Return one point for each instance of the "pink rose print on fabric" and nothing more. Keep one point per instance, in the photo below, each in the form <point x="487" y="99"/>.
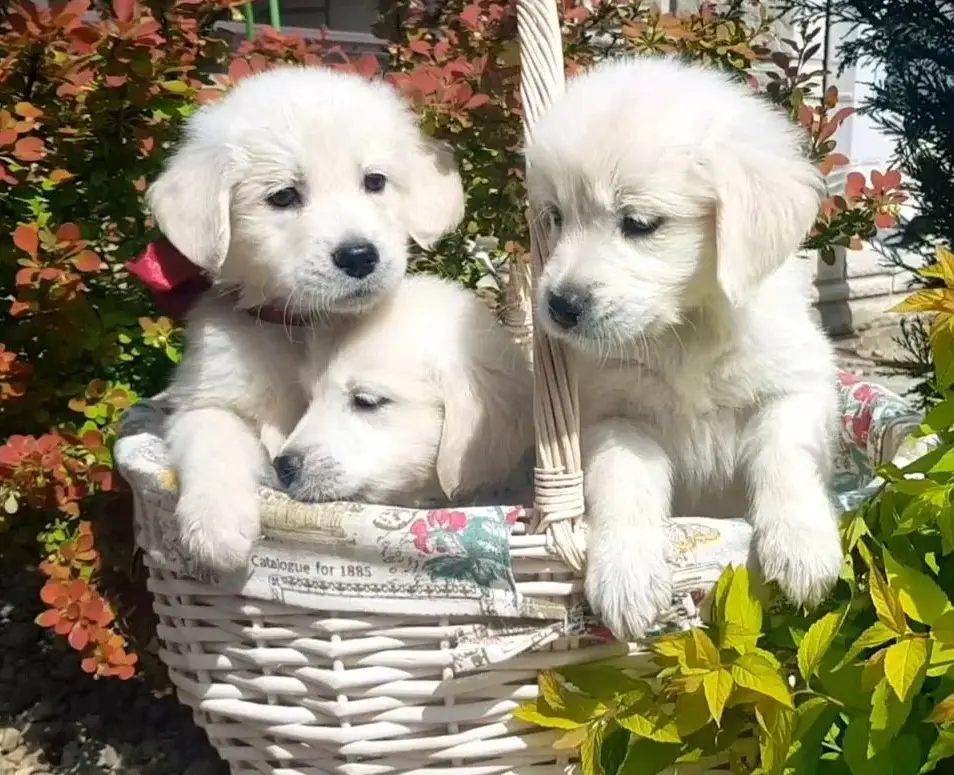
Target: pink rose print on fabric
<point x="846" y="378"/>
<point x="514" y="514"/>
<point x="436" y="531"/>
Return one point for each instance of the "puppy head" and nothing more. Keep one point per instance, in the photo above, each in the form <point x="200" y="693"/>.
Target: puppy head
<point x="302" y="185"/>
<point x="668" y="187"/>
<point x="424" y="400"/>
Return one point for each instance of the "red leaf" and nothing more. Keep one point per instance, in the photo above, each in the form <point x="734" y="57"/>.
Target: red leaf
<point x="68" y="232"/>
<point x="476" y="101"/>
<point x="884" y="220"/>
<point x="27" y="110"/>
<point x="470" y="15"/>
<point x="62" y="626"/>
<point x="367" y="65"/>
<point x="854" y="185"/>
<point x="26" y="238"/>
<point x="29" y="149"/>
<point x="420" y="47"/>
<point x="51" y="591"/>
<point x="124" y="9"/>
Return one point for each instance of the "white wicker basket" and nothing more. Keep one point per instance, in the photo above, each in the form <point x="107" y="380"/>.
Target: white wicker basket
<point x="370" y="640"/>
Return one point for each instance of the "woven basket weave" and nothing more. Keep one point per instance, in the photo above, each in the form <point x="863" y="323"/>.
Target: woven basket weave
<point x="369" y="640"/>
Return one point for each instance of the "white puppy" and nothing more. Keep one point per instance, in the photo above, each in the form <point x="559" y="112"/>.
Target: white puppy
<point x="296" y="195"/>
<point x="424" y="400"/>
<point x="677" y="199"/>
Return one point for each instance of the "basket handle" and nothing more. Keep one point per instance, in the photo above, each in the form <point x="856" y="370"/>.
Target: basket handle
<point x="558" y="478"/>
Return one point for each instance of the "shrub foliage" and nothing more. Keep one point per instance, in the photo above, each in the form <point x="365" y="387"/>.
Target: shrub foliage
<point x="92" y="95"/>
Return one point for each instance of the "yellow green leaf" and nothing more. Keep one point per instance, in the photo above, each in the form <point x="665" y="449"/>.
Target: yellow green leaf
<point x="921" y="598"/>
<point x="926" y="300"/>
<point x="717" y="686"/>
<point x="176" y="87"/>
<point x="943" y="712"/>
<point x="529" y="712"/>
<point x="551" y="691"/>
<point x="571" y="740"/>
<point x="590" y="751"/>
<point x="738" y="611"/>
<point x="758" y="674"/>
<point x="701" y="653"/>
<point x="817" y="641"/>
<point x="903" y="663"/>
<point x="671" y="645"/>
<point x="886" y="602"/>
<point x="774" y="734"/>
<point x="872" y="670"/>
<point x="603" y="682"/>
<point x="653" y="725"/>
<point x="875" y="635"/>
<point x="888" y="715"/>
<point x="943" y="748"/>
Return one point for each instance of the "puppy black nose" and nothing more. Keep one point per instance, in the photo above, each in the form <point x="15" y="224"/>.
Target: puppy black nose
<point x="566" y="306"/>
<point x="288" y="468"/>
<point x="356" y="259"/>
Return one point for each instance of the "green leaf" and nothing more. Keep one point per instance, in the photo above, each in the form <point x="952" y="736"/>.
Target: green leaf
<point x="648" y="757"/>
<point x="875" y="635"/>
<point x="886" y="602"/>
<point x="943" y="629"/>
<point x="903" y="663"/>
<point x="940" y="418"/>
<point x="888" y="715"/>
<point x="921" y="598"/>
<point x="758" y="674"/>
<point x="943" y="748"/>
<point x="817" y="640"/>
<point x="717" y="686"/>
<point x="855" y="750"/>
<point x="813" y="721"/>
<point x="692" y="713"/>
<point x="614" y="749"/>
<point x="775" y="735"/>
<point x="603" y="681"/>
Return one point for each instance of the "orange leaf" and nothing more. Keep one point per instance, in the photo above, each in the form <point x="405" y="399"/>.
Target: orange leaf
<point x="51" y="591"/>
<point x="59" y="175"/>
<point x="26" y="238"/>
<point x="48" y="618"/>
<point x="29" y="149"/>
<point x="87" y="261"/>
<point x="68" y="232"/>
<point x="89" y="665"/>
<point x="26" y="110"/>
<point x="79" y="637"/>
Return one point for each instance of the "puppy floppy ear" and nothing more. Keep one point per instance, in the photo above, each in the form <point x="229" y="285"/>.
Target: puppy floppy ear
<point x="487" y="426"/>
<point x="766" y="202"/>
<point x="435" y="197"/>
<point x="190" y="202"/>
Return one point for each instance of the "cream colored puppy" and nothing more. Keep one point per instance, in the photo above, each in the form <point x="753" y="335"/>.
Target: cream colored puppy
<point x="677" y="199"/>
<point x="423" y="400"/>
<point x="296" y="195"/>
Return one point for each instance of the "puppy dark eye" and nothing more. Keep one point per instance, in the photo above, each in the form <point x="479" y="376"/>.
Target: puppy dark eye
<point x="633" y="226"/>
<point x="556" y="217"/>
<point x="374" y="182"/>
<point x="285" y="198"/>
<point x="367" y="402"/>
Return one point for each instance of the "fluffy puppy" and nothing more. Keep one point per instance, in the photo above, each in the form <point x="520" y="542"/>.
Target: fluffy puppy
<point x="296" y="195"/>
<point x="677" y="199"/>
<point x="424" y="400"/>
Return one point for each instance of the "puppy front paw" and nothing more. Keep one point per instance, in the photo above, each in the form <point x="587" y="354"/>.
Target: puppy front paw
<point x="217" y="528"/>
<point x="803" y="556"/>
<point x="628" y="586"/>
